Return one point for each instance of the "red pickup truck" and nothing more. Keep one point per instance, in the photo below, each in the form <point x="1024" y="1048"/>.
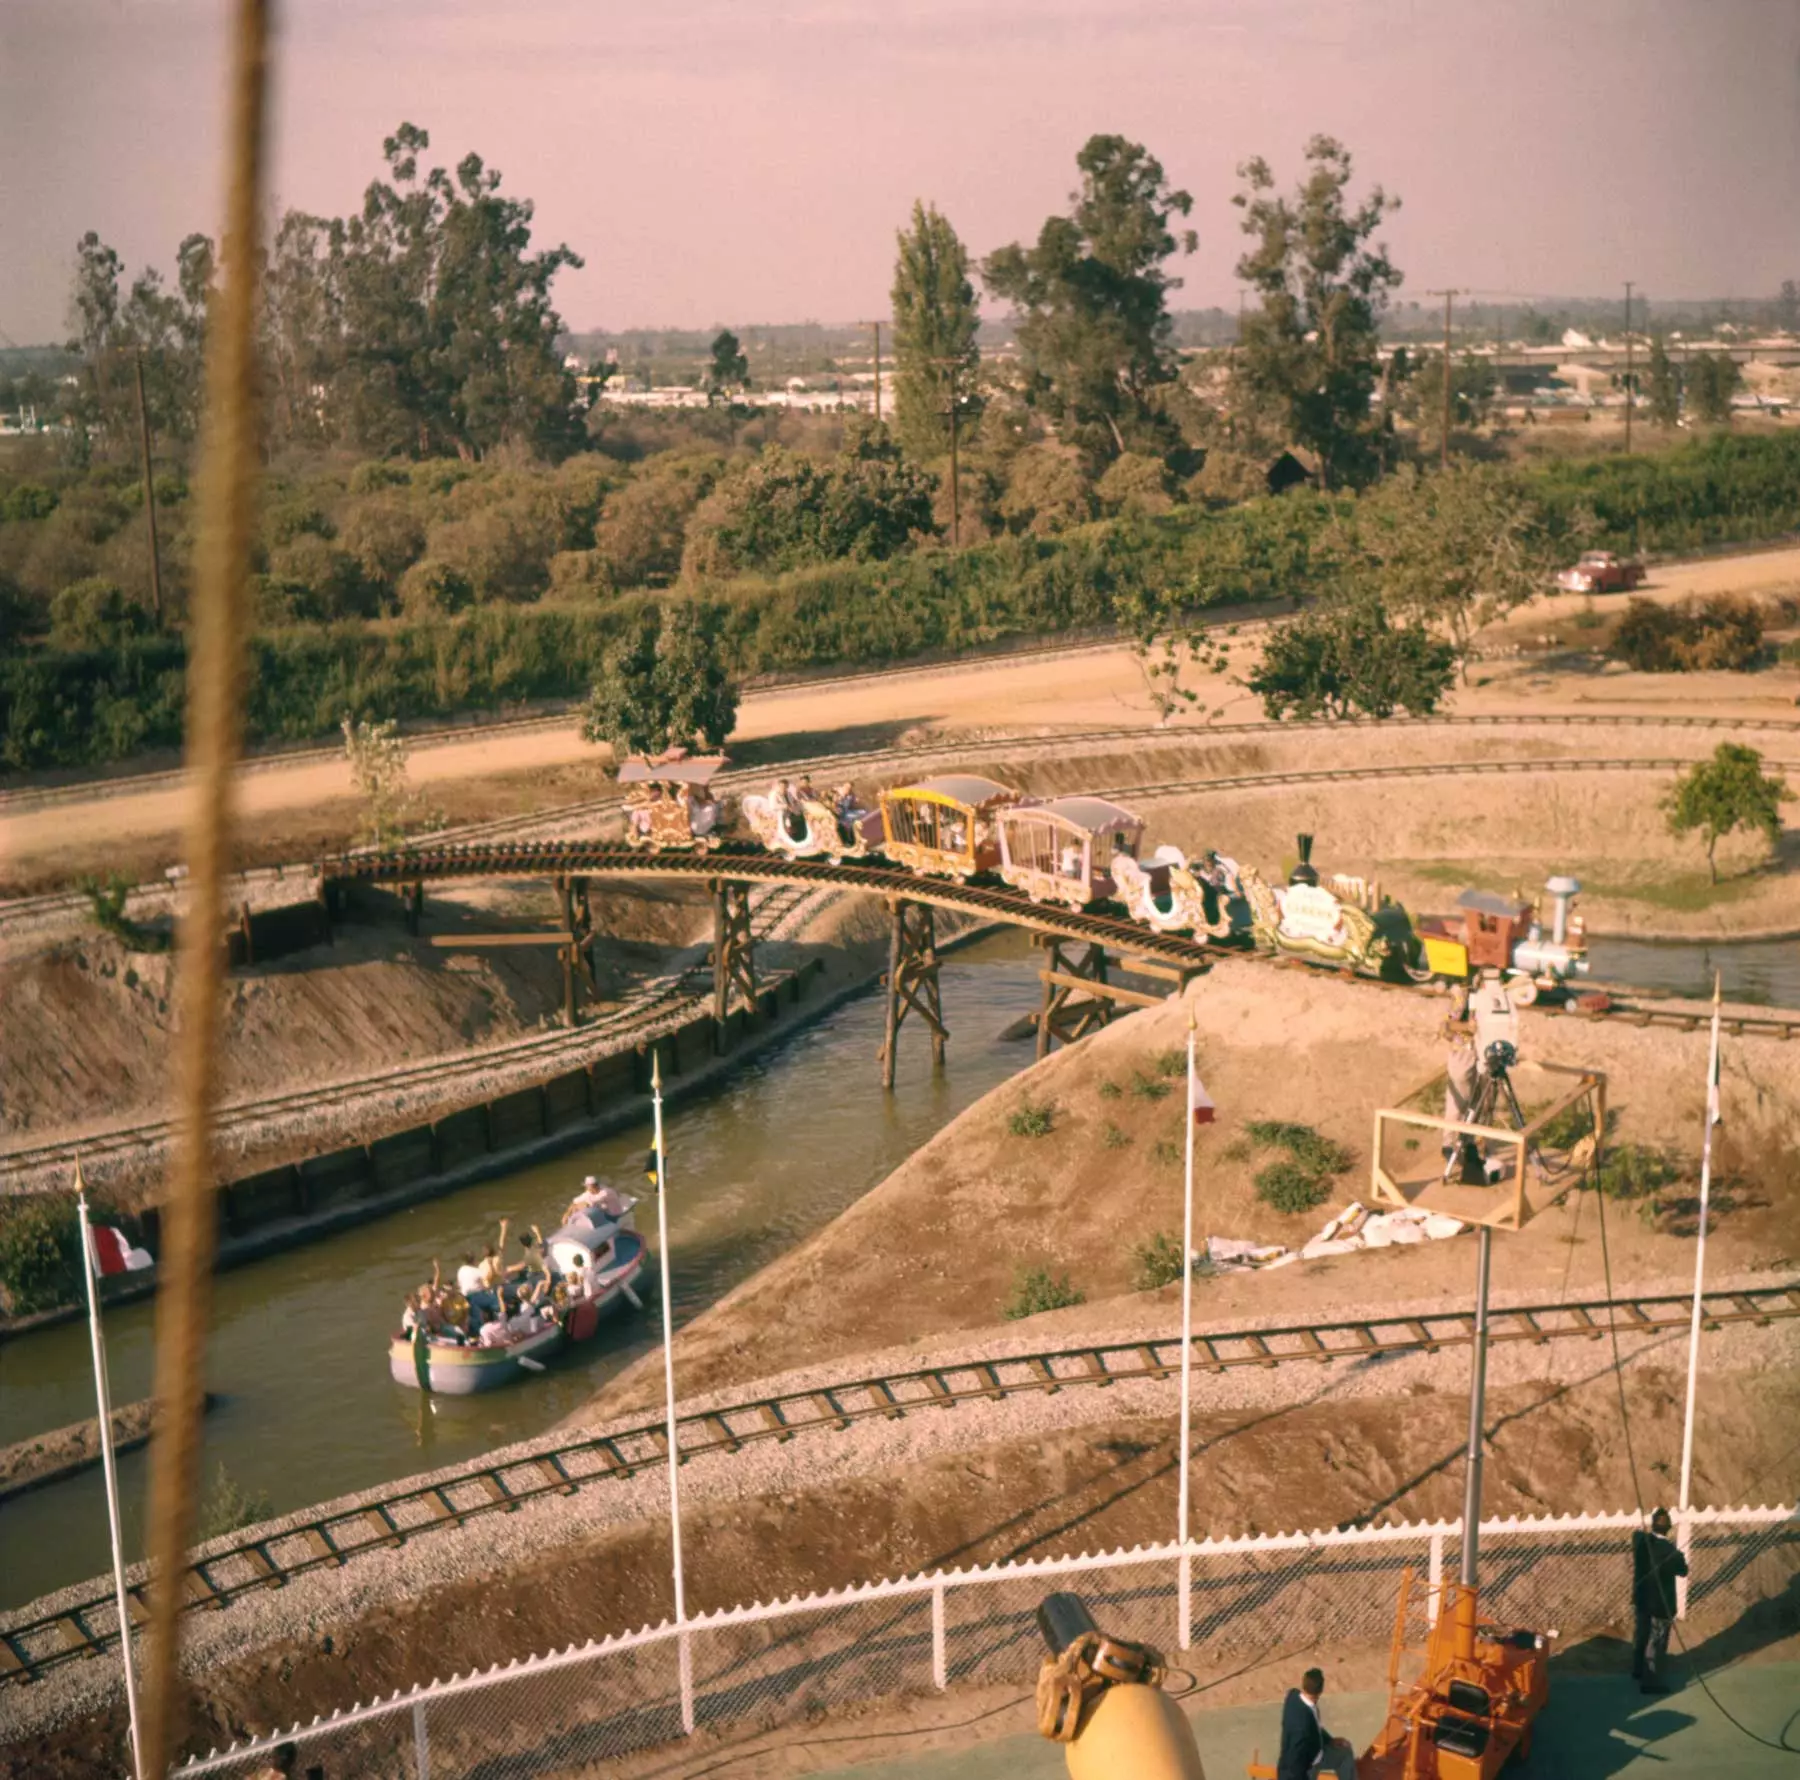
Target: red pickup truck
<point x="1599" y="571"/>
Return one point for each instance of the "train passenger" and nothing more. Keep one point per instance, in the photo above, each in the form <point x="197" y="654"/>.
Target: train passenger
<point x="1070" y="864"/>
<point x="703" y="814"/>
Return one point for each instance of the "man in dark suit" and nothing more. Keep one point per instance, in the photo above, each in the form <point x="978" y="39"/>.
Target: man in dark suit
<point x="1307" y="1748"/>
<point x="1656" y="1561"/>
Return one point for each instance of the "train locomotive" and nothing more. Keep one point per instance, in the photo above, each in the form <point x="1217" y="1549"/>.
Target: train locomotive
<point x="1087" y="852"/>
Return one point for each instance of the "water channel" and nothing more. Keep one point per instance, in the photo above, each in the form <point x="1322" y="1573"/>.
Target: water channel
<point x="306" y="1409"/>
<point x="298" y="1356"/>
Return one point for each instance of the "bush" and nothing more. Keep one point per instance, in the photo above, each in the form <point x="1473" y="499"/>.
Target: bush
<point x="228" y="1507"/>
<point x="27" y="502"/>
<point x="1032" y="1120"/>
<point x="1035" y="1290"/>
<point x="1113" y="1137"/>
<point x="1691" y="636"/>
<point x="1110" y="1091"/>
<point x="94" y="614"/>
<point x="1289" y="1185"/>
<point x="1149" y="1087"/>
<point x="1172" y="1062"/>
<point x="40" y="1253"/>
<point x="1155" y="1263"/>
<point x="1635" y="1171"/>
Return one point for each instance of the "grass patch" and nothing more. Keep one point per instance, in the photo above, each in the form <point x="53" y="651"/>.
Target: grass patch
<point x="1654" y="887"/>
<point x="1149" y="1087"/>
<point x="1636" y="1171"/>
<point x="1110" y="1091"/>
<point x="1113" y="1137"/>
<point x="1033" y="1120"/>
<point x="1155" y="1262"/>
<point x="1169" y="1154"/>
<point x="1035" y="1289"/>
<point x="1301" y="1179"/>
<point x="1170" y="1063"/>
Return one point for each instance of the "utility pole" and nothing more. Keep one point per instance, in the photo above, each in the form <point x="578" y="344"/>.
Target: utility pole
<point x="1628" y="389"/>
<point x="1449" y="297"/>
<point x="877" y="327"/>
<point x="149" y="490"/>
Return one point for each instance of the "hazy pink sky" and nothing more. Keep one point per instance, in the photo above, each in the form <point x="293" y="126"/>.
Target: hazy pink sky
<point x="736" y="161"/>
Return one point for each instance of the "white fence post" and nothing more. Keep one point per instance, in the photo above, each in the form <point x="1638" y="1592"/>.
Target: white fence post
<point x="1434" y="1577"/>
<point x="1684" y="1539"/>
<point x="940" y="1664"/>
<point x="421" y="1743"/>
<point x="684" y="1645"/>
<point x="1184" y="1588"/>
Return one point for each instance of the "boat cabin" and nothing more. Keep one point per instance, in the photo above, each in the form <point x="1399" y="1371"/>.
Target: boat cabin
<point x="1062" y="850"/>
<point x="669" y="800"/>
<point x="945" y="825"/>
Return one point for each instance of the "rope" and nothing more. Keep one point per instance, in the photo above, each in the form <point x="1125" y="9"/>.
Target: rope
<point x="217" y="634"/>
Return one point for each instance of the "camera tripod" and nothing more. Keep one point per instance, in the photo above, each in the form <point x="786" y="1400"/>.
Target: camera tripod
<point x="1496" y="1100"/>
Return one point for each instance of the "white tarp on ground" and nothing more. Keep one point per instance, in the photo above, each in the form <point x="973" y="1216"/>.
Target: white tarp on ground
<point x="1353" y="1228"/>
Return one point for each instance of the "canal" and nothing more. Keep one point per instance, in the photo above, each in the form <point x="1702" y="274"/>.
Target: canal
<point x="298" y="1359"/>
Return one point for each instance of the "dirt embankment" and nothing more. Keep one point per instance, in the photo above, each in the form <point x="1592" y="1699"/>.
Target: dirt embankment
<point x="88" y="1025"/>
<point x="936" y="1248"/>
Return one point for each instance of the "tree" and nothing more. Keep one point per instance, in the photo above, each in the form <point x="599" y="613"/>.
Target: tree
<point x="447" y="339"/>
<point x="377" y="756"/>
<point x="1090" y="304"/>
<point x="663" y="685"/>
<point x="1473" y="387"/>
<point x="1788" y="306"/>
<point x="1662" y="394"/>
<point x="729" y="369"/>
<point x="1723" y="794"/>
<point x="95" y="614"/>
<point x="1711" y="380"/>
<point x="935" y="323"/>
<point x="1347" y="658"/>
<point x="1309" y="360"/>
<point x="1454" y="550"/>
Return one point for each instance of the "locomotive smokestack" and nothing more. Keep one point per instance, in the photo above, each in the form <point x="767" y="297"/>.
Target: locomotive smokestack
<point x="1561" y="892"/>
<point x="1305" y="872"/>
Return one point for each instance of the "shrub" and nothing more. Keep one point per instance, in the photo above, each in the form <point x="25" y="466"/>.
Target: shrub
<point x="1690" y="636"/>
<point x="1032" y="1120"/>
<point x="1170" y="1155"/>
<point x="228" y="1507"/>
<point x="1289" y="1185"/>
<point x="1113" y="1137"/>
<point x="40" y="1253"/>
<point x="1034" y="1290"/>
<point x="1149" y="1087"/>
<point x="94" y="614"/>
<point x="27" y="502"/>
<point x="384" y="538"/>
<point x="1110" y="1090"/>
<point x="1635" y="1171"/>
<point x="1156" y="1262"/>
<point x="1171" y="1062"/>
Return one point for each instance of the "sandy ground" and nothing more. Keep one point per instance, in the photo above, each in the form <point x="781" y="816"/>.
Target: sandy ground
<point x="936" y="1248"/>
<point x="1098" y="688"/>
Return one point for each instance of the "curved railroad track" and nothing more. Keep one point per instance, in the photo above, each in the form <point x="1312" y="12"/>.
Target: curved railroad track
<point x="31" y="1643"/>
<point x="257" y="881"/>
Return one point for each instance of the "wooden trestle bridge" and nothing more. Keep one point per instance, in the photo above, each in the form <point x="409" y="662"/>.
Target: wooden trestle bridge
<point x="1082" y="951"/>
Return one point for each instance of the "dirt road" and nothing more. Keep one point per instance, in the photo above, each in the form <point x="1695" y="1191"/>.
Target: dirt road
<point x="1101" y="687"/>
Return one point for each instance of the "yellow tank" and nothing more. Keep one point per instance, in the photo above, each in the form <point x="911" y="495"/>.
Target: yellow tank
<point x="1135" y="1733"/>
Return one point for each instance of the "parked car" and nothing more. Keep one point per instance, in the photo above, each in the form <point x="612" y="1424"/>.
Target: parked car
<point x="1599" y="571"/>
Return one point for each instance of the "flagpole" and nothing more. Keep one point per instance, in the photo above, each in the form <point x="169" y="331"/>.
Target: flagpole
<point x="1693" y="1377"/>
<point x="103" y="1395"/>
<point x="668" y="1323"/>
<point x="1187" y="1288"/>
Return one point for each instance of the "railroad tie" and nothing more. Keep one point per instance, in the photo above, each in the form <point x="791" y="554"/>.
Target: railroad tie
<point x="77" y="1639"/>
<point x="258" y="1553"/>
<point x="774" y="1420"/>
<point x="498" y="1495"/>
<point x="555" y="1477"/>
<point x="1311" y="1344"/>
<point x="386" y="1532"/>
<point x="833" y="1409"/>
<point x="1259" y="1350"/>
<point x="1634" y="1315"/>
<point x="13" y="1661"/>
<point x="721" y="1431"/>
<point x="200" y="1589"/>
<point x="1046" y="1378"/>
<point x="1096" y="1368"/>
<point x="442" y="1510"/>
<point x="1153" y="1367"/>
<point x="940" y="1392"/>
<point x="324" y="1547"/>
<point x="1585" y="1323"/>
<point x="882" y="1394"/>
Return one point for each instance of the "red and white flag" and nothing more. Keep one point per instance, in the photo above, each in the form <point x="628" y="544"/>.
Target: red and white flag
<point x="112" y="1253"/>
<point x="1200" y="1102"/>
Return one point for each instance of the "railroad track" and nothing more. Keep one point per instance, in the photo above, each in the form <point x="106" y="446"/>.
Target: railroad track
<point x="21" y="911"/>
<point x="662" y="1002"/>
<point x="29" y="1646"/>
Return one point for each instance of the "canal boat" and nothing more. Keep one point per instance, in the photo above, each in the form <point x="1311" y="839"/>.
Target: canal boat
<point x="598" y="1259"/>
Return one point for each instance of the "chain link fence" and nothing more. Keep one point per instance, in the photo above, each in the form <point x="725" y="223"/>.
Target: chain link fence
<point x="756" y="1670"/>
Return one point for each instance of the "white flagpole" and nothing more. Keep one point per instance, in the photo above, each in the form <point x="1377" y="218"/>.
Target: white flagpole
<point x="1693" y="1377"/>
<point x="103" y="1395"/>
<point x="1187" y="1287"/>
<point x="668" y="1322"/>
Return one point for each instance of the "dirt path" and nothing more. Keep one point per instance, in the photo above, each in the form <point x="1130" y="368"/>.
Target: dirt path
<point x="1090" y="688"/>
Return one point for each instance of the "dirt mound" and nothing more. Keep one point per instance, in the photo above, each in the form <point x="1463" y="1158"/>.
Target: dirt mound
<point x="939" y="1246"/>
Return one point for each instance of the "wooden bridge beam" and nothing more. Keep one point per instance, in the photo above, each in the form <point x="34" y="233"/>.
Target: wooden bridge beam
<point x="912" y="982"/>
<point x="734" y="950"/>
<point x="1076" y="997"/>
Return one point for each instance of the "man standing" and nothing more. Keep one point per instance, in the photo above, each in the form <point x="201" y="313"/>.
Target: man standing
<point x="1307" y="1748"/>
<point x="1655" y="1563"/>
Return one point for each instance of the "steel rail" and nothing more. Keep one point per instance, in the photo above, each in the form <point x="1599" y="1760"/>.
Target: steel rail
<point x="270" y="1558"/>
<point x="653" y="1005"/>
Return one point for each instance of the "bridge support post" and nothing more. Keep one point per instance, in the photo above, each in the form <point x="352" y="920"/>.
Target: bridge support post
<point x="1069" y="1011"/>
<point x="414" y="895"/>
<point x="576" y="919"/>
<point x="734" y="951"/>
<point x="912" y="982"/>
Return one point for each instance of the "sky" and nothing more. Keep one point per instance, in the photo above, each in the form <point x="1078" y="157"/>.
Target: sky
<point x="743" y="161"/>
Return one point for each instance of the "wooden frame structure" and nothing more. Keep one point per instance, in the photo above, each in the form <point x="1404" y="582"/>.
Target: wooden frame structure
<point x="1079" y="998"/>
<point x="734" y="949"/>
<point x="912" y="982"/>
<point x="1505" y="1204"/>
